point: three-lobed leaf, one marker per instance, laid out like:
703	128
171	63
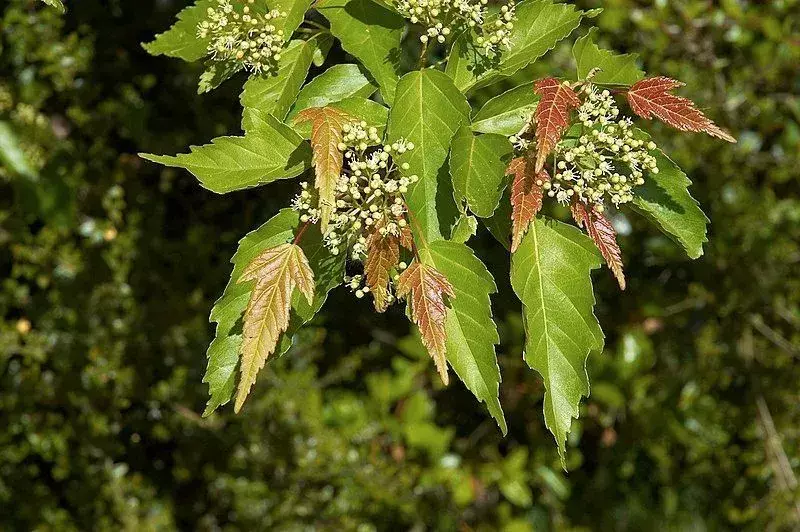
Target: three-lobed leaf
551	274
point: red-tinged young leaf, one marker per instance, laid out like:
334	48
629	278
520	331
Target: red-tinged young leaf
407	238
276	272
526	197
326	134
651	97
552	115
428	288
383	254
602	233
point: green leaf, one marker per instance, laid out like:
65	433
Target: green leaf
373	113
372	34
275	94
216	74
465	228
507	113
551	274
471	331
58	4
616	69
428	111
266	153
664	199
11	154
181	39
478	168
223	353
539	26
295	13
337	83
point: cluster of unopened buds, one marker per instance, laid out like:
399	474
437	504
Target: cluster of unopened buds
441	17
239	32
599	159
369	192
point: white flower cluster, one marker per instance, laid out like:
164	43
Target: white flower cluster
239	33
441	17
369	193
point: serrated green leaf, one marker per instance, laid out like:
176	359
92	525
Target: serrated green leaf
223	353
337	83
551	274
373	113
539	26
372	34
507	113
266	153
478	168
181	39
471	331
216	74
428	111
664	199
295	13
465	228
275	94
615	69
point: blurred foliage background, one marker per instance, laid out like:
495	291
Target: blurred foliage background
109	267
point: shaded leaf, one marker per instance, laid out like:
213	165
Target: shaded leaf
651	97
465	228
383	254
477	166
550	273
326	134
427	289
552	115
276	272
526	197
507	113
602	233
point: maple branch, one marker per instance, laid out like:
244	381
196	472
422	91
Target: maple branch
300	233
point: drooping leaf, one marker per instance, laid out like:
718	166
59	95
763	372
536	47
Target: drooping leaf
276	273
507	113
383	255
477	166
471	333
223	354
326	134
372	34
613	69
651	97
275	94
552	116
266	153
602	233
337	83
539	26
428	112
665	200
427	289
181	40
465	228
526	197
550	273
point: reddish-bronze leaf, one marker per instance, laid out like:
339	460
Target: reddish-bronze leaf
526	197
406	238
552	115
651	97
383	254
276	272
326	134
428	288
602	233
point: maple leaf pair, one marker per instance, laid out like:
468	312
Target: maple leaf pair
648	98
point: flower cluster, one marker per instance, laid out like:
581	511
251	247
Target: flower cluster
369	192
239	32
440	17
602	159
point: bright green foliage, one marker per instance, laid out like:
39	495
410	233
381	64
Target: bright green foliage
372	34
550	275
471	331
507	113
337	83
234	163
428	112
613	69
181	39
478	167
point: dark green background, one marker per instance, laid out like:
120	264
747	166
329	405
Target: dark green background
694	418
